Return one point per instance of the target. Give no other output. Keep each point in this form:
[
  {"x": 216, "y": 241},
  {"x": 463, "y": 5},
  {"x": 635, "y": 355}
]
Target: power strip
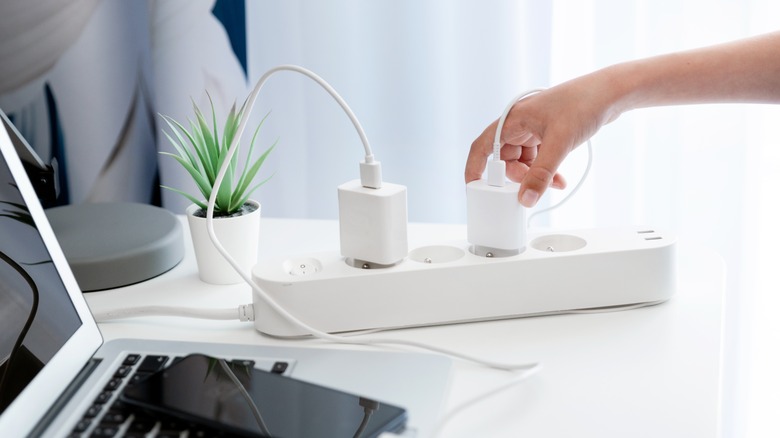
[{"x": 448, "y": 283}]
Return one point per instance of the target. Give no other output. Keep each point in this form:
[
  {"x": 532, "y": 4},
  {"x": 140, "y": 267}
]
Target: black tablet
[{"x": 239, "y": 399}]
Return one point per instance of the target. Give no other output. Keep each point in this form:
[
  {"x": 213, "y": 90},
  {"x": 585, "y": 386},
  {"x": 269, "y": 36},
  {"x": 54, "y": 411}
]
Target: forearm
[{"x": 746, "y": 71}]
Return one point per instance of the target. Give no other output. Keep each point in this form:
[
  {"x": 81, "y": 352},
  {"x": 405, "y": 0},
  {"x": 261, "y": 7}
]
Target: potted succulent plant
[{"x": 201, "y": 150}]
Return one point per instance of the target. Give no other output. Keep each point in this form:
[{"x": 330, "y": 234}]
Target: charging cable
[
  {"x": 370, "y": 169},
  {"x": 247, "y": 398},
  {"x": 496, "y": 170},
  {"x": 369, "y": 407},
  {"x": 496, "y": 167},
  {"x": 574, "y": 190},
  {"x": 457, "y": 410}
]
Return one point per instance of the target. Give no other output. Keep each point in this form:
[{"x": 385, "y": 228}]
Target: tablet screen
[{"x": 200, "y": 389}]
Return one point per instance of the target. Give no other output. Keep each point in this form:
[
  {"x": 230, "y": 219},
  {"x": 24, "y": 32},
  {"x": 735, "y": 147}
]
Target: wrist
[
  {"x": 617, "y": 91},
  {"x": 602, "y": 96}
]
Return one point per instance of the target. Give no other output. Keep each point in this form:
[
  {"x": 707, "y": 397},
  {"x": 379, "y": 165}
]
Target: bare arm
[{"x": 541, "y": 130}]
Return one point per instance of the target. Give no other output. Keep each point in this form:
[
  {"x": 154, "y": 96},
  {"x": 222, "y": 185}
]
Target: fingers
[
  {"x": 516, "y": 171},
  {"x": 559, "y": 182},
  {"x": 520, "y": 145},
  {"x": 541, "y": 130},
  {"x": 480, "y": 150},
  {"x": 528, "y": 155},
  {"x": 542, "y": 173},
  {"x": 528, "y": 161}
]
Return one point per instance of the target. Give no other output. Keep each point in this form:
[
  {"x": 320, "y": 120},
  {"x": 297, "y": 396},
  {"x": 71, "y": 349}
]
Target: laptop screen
[
  {"x": 32, "y": 327},
  {"x": 40, "y": 322}
]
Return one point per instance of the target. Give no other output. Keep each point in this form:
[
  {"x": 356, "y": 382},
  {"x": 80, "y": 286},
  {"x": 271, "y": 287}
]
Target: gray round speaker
[{"x": 114, "y": 244}]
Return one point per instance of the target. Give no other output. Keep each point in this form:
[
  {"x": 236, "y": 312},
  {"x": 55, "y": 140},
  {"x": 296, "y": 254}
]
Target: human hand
[{"x": 539, "y": 133}]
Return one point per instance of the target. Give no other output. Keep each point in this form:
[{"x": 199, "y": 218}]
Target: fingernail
[{"x": 529, "y": 198}]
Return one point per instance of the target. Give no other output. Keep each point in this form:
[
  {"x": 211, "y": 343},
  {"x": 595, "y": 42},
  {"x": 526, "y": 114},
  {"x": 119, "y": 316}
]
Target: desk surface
[{"x": 650, "y": 372}]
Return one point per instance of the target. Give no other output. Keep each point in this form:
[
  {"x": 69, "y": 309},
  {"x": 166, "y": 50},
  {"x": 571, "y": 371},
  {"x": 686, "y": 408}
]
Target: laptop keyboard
[{"x": 110, "y": 417}]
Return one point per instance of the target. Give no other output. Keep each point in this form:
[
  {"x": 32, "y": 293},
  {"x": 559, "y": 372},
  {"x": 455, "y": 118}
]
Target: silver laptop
[{"x": 58, "y": 377}]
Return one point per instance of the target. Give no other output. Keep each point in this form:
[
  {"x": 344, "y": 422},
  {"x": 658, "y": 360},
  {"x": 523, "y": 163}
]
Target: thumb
[{"x": 541, "y": 172}]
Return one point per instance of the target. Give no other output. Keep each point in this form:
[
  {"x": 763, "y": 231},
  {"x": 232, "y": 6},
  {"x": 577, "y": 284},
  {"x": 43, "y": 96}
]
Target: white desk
[{"x": 651, "y": 372}]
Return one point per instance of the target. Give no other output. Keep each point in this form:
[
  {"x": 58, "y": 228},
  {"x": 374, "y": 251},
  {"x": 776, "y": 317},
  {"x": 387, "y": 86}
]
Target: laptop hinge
[{"x": 64, "y": 398}]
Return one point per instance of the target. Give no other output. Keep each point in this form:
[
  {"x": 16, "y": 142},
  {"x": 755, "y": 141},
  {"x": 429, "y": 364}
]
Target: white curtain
[
  {"x": 706, "y": 172},
  {"x": 426, "y": 77}
]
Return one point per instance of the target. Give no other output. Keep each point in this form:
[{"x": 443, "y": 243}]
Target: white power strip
[{"x": 444, "y": 284}]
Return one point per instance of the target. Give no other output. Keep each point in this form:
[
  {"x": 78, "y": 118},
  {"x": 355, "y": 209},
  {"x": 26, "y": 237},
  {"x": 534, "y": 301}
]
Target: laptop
[{"x": 59, "y": 378}]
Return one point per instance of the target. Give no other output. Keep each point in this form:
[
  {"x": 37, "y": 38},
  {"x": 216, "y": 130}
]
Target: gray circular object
[{"x": 114, "y": 244}]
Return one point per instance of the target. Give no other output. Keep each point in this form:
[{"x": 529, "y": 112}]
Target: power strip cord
[{"x": 243, "y": 313}]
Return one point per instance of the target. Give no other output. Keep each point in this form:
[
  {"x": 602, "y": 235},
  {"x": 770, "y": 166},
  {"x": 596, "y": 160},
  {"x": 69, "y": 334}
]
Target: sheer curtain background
[
  {"x": 707, "y": 172},
  {"x": 426, "y": 77}
]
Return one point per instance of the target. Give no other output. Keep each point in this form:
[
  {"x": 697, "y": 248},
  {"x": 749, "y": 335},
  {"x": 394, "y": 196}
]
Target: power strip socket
[{"x": 448, "y": 283}]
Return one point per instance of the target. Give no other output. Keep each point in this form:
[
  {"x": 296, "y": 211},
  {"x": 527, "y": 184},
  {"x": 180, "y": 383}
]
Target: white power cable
[
  {"x": 242, "y": 313},
  {"x": 245, "y": 313},
  {"x": 521, "y": 377},
  {"x": 573, "y": 190},
  {"x": 618, "y": 308},
  {"x": 370, "y": 175},
  {"x": 502, "y": 119},
  {"x": 306, "y": 72},
  {"x": 247, "y": 398},
  {"x": 496, "y": 168}
]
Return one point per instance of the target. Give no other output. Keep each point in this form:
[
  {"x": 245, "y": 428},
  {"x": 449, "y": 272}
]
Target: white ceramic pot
[{"x": 239, "y": 235}]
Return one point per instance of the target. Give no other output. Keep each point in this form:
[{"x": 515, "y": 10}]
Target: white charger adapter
[
  {"x": 372, "y": 223},
  {"x": 495, "y": 219}
]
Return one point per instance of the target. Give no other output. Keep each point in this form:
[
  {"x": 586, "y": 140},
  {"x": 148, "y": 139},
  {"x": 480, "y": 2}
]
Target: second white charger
[{"x": 496, "y": 219}]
